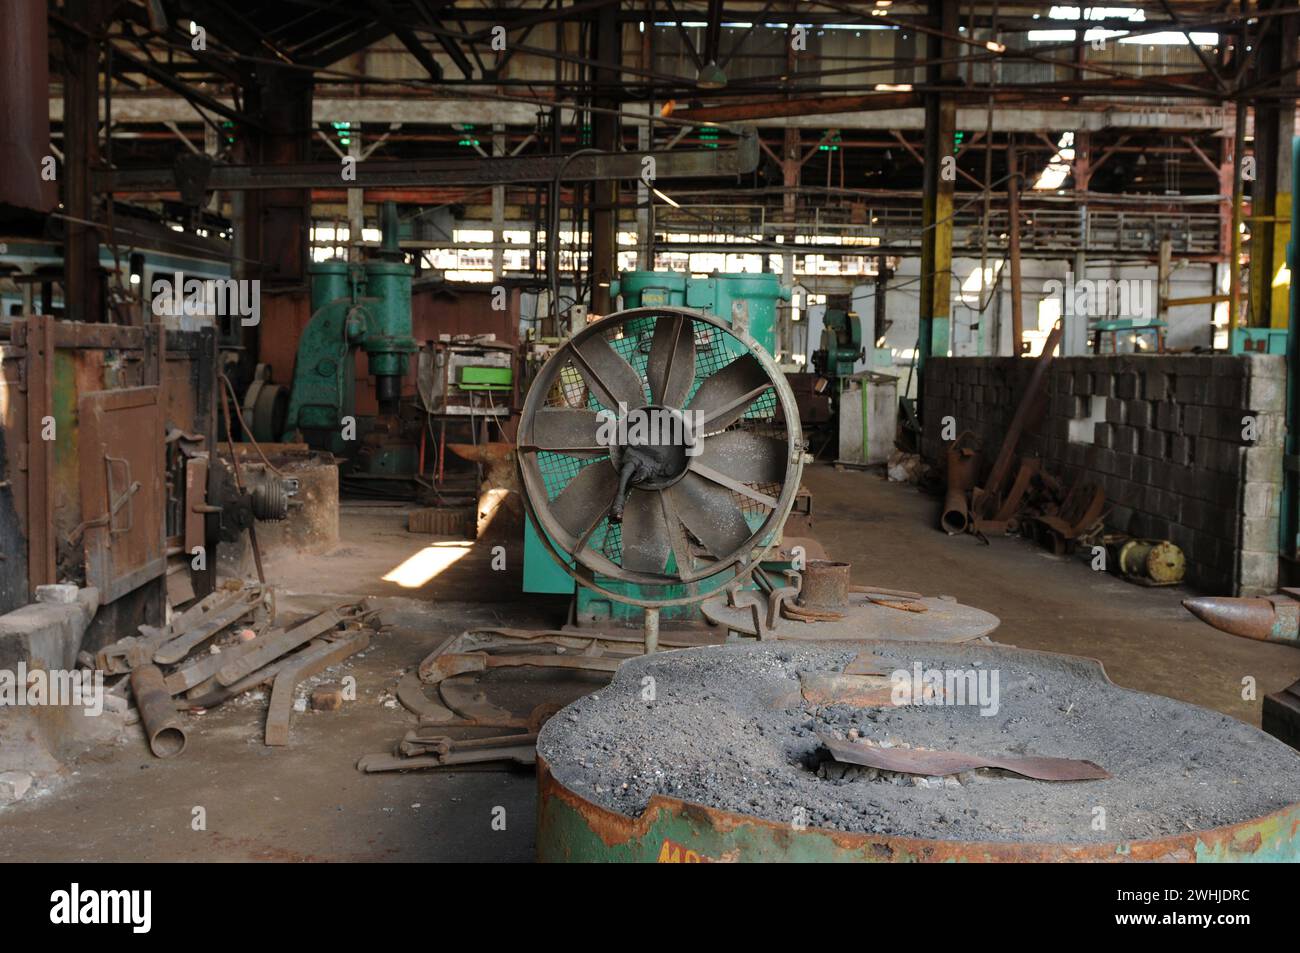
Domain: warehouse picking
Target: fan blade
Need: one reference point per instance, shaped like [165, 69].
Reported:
[711, 513]
[671, 366]
[645, 533]
[744, 489]
[566, 428]
[677, 541]
[587, 498]
[724, 397]
[745, 457]
[610, 378]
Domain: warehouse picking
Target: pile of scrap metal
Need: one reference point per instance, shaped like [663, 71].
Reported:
[222, 646]
[1036, 504]
[445, 693]
[1274, 618]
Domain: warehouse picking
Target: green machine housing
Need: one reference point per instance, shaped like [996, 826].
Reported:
[365, 305]
[718, 294]
[841, 345]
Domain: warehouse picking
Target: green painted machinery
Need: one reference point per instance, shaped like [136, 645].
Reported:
[366, 306]
[841, 344]
[718, 294]
[745, 302]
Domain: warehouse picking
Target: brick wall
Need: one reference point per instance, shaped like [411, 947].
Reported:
[1162, 434]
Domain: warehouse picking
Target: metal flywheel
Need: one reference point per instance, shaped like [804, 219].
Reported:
[659, 447]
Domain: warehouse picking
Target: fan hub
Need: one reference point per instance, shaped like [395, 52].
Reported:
[653, 446]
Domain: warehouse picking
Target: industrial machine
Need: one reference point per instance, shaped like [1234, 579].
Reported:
[366, 306]
[657, 518]
[718, 294]
[863, 404]
[841, 343]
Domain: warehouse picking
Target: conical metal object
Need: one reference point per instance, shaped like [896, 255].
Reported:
[1269, 619]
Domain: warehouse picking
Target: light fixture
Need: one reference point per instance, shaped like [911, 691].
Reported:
[665, 198]
[711, 76]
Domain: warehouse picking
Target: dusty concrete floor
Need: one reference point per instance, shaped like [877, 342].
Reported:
[308, 802]
[1143, 636]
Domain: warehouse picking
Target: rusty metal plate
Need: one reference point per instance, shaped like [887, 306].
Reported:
[939, 763]
[122, 489]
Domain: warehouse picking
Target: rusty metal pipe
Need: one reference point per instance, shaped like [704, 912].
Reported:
[162, 724]
[956, 512]
[963, 465]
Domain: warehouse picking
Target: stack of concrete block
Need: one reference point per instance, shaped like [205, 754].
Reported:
[1186, 447]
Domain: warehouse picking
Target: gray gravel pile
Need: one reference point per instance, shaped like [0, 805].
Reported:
[699, 725]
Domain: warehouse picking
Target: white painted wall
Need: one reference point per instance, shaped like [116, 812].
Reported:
[972, 332]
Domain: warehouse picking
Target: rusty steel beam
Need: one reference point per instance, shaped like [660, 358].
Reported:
[497, 170]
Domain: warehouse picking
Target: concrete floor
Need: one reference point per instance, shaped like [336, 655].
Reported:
[308, 802]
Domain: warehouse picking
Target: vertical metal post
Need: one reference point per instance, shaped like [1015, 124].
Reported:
[1270, 191]
[651, 630]
[1234, 259]
[1013, 252]
[498, 209]
[645, 254]
[937, 201]
[1289, 514]
[608, 40]
[83, 298]
[356, 203]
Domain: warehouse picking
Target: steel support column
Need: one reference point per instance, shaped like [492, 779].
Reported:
[1270, 217]
[1234, 244]
[645, 254]
[1013, 252]
[272, 227]
[83, 290]
[24, 102]
[277, 220]
[356, 202]
[607, 41]
[498, 209]
[936, 207]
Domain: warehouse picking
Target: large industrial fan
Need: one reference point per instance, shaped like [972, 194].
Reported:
[660, 454]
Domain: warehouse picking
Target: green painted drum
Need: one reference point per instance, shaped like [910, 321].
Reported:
[755, 752]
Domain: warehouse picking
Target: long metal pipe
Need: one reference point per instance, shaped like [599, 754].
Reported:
[1013, 251]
